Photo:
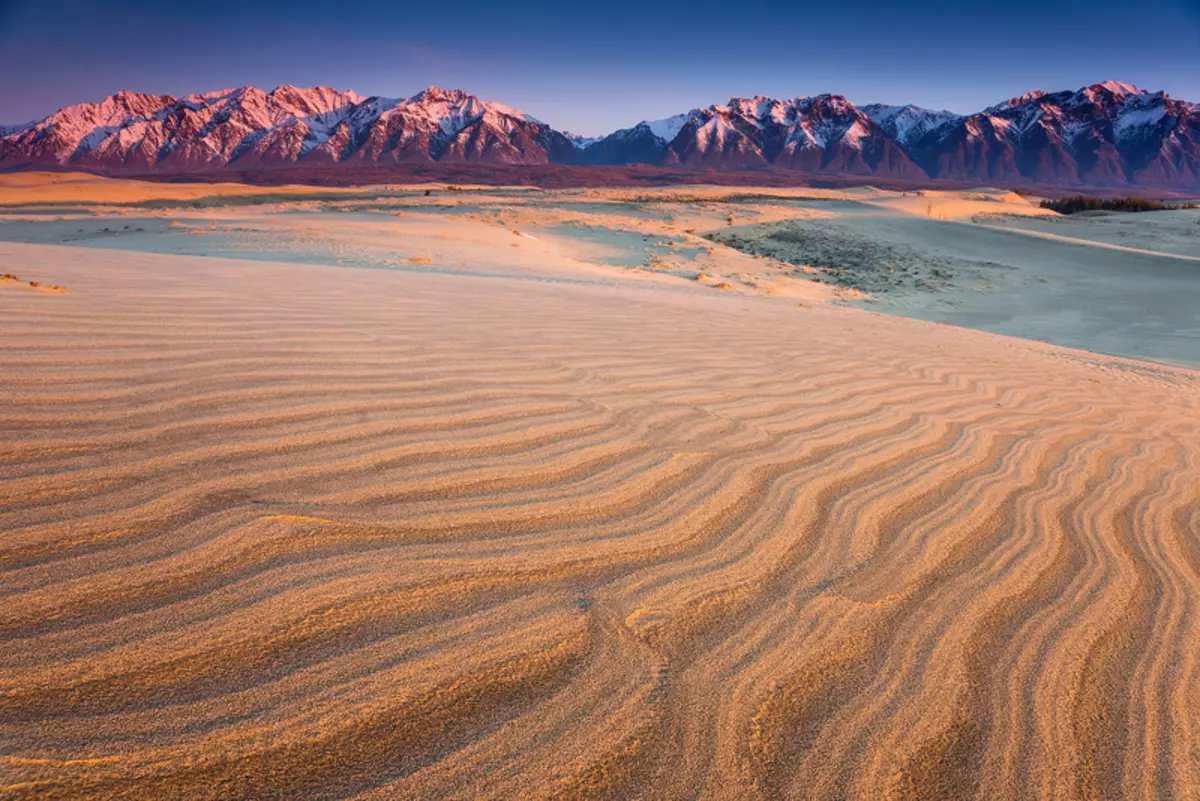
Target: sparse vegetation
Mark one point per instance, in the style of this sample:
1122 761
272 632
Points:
419 259
16 279
843 256
1078 203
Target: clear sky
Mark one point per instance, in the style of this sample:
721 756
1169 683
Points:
591 67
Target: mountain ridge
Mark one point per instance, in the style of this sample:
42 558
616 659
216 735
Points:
1109 135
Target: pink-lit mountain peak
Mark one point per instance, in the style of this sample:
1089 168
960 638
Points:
1105 134
1114 88
1107 92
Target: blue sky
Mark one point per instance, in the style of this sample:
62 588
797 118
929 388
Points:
596 66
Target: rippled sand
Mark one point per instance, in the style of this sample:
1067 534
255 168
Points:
310 532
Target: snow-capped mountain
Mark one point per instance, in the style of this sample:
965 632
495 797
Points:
822 134
644 143
9 130
807 134
579 141
907 124
1106 135
250 129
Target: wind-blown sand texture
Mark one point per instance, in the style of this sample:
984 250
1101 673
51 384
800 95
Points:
296 531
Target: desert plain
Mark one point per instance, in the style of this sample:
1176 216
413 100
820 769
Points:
704 492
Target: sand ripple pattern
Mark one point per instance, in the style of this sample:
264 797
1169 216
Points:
303 532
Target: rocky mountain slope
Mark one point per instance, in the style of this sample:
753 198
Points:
250 129
1109 134
1106 135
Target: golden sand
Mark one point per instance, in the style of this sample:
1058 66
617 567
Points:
292 531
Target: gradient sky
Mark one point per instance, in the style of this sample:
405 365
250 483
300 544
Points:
592 67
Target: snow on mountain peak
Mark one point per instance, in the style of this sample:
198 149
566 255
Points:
580 141
1100 134
1016 102
435 94
113 110
852 137
316 100
756 109
668 128
907 124
1117 88
9 130
838 104
450 110
454 109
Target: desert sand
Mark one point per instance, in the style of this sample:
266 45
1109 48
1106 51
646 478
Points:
457 519
983 258
66 188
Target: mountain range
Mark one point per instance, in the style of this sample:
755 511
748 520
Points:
1109 135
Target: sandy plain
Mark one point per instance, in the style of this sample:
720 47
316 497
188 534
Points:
618 512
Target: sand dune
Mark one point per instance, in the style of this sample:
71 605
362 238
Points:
981 258
20 188
297 531
962 205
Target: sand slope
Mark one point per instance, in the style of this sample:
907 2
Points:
982 258
37 187
296 531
